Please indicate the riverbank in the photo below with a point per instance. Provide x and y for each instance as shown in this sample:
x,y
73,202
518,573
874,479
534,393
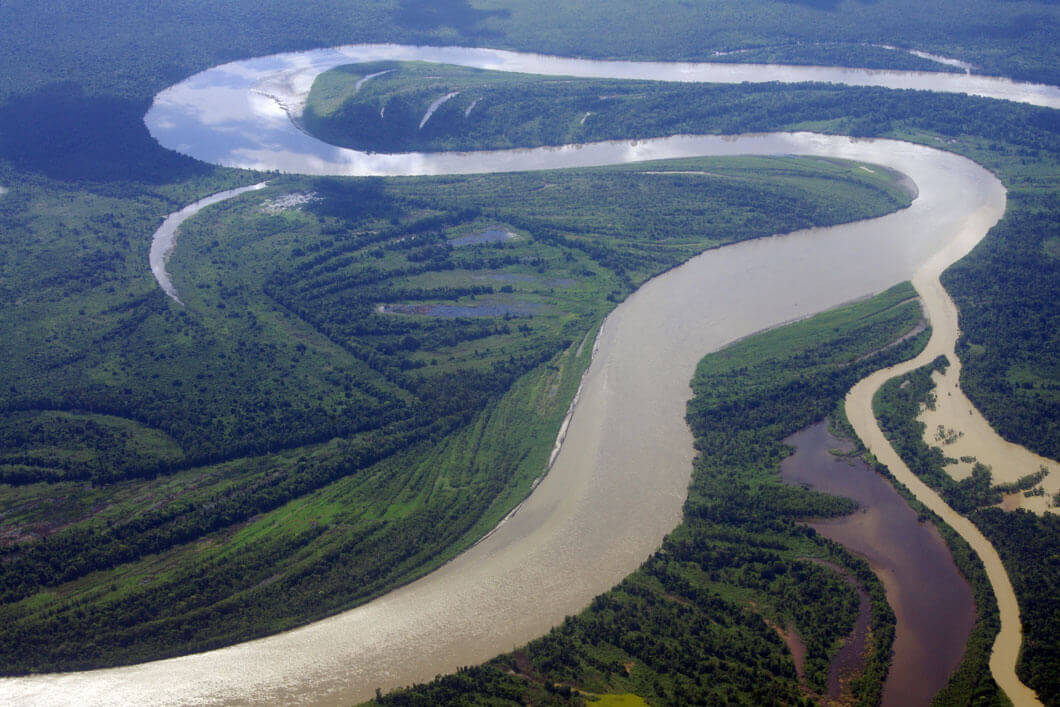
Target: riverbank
x,y
850,661
164,240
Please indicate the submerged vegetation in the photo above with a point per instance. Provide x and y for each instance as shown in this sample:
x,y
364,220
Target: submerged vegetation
x,y
1029,544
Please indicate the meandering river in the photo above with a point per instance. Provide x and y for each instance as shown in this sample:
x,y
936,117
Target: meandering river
x,y
165,238
620,478
244,114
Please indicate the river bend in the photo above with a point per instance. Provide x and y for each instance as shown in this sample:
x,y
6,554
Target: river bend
x,y
244,114
621,476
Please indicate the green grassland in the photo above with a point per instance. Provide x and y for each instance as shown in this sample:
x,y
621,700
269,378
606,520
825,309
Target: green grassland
x,y
184,477
687,627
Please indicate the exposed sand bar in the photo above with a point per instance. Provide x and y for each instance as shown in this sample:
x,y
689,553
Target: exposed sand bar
x,y
968,435
435,105
164,239
365,79
964,66
943,315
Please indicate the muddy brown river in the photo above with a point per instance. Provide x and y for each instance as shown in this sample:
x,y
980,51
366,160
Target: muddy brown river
x,y
932,602
621,476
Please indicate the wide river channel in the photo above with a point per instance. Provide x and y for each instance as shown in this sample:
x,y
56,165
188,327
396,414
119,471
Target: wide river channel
x,y
619,481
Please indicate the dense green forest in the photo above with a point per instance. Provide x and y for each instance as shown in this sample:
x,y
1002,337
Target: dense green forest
x,y
1014,272
119,53
672,631
185,505
497,110
1029,544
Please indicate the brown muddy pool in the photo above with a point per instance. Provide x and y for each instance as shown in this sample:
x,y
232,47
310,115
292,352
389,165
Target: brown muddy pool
x,y
932,601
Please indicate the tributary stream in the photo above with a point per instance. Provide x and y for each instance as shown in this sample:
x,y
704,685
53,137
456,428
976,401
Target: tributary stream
x,y
619,481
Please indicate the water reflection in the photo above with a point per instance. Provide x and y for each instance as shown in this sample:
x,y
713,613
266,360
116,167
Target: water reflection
x,y
239,114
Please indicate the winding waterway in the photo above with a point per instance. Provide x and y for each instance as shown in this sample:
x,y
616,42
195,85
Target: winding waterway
x,y
933,603
164,239
618,483
245,114
943,315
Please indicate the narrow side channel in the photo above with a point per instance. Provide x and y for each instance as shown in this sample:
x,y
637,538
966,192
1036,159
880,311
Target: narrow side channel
x,y
164,239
